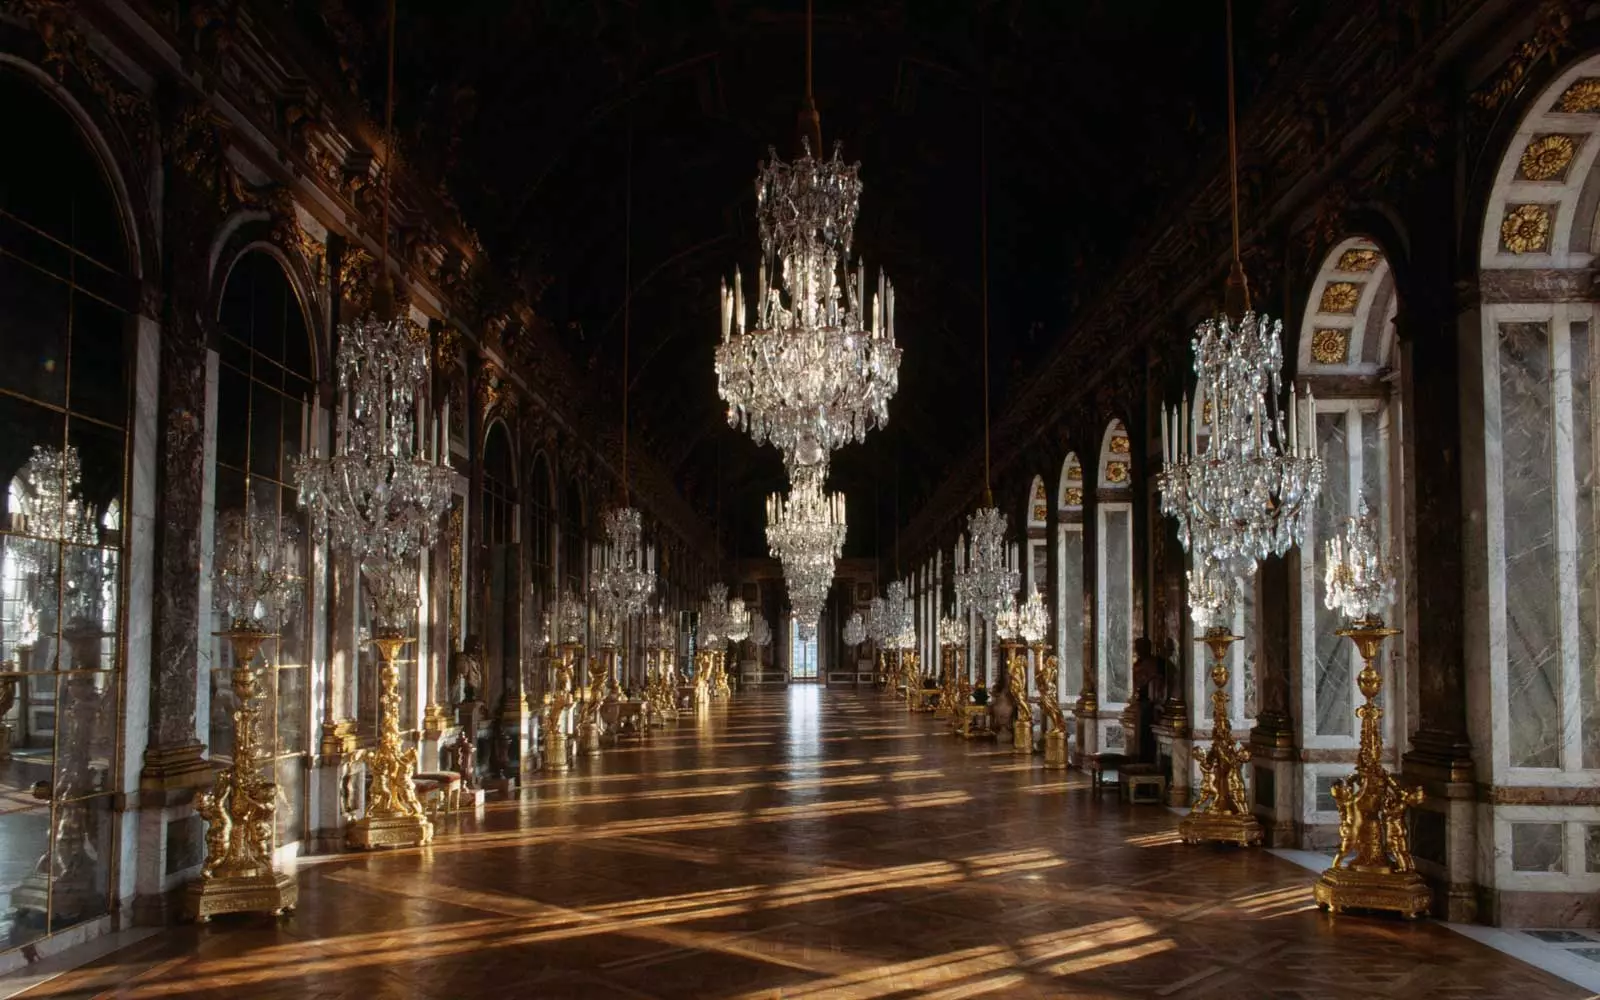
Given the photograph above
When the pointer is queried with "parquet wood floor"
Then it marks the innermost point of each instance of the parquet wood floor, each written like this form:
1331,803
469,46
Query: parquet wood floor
809,844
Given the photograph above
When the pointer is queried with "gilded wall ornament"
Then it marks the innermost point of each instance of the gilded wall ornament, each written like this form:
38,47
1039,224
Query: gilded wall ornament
356,277
1547,158
1526,229
1074,496
1340,297
1330,346
453,532
1359,260
1119,445
1041,512
1039,495
1116,473
1582,98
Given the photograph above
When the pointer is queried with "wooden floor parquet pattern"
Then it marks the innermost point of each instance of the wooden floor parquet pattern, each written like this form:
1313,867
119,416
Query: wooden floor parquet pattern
808,844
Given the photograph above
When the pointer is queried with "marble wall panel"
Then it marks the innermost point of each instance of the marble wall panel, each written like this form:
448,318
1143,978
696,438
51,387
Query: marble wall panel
1528,521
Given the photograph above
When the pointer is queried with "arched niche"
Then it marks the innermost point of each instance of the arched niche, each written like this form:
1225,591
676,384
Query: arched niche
1069,576
1115,628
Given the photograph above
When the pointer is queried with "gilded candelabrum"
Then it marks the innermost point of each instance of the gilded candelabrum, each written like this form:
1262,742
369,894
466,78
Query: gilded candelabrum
1222,812
1374,869
947,683
1047,669
659,691
960,722
395,817
910,677
721,688
556,703
1016,661
238,875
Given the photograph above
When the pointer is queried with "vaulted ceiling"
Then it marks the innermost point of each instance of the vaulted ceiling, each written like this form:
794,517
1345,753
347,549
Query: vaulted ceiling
535,114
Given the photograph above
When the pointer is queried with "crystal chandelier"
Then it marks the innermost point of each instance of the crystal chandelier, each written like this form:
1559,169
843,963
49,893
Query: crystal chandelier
817,364
900,622
737,627
1359,582
986,571
855,630
626,578
714,615
50,506
377,496
254,571
760,631
805,532
1244,486
878,620
564,624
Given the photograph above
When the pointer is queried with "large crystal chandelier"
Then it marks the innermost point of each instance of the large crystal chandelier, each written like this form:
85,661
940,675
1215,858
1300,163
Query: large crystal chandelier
816,365
626,576
377,496
738,625
855,630
953,630
987,571
805,532
900,625
878,620
625,579
714,616
1243,486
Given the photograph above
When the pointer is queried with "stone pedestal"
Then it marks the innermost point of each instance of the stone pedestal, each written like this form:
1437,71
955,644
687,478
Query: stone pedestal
1055,750
589,738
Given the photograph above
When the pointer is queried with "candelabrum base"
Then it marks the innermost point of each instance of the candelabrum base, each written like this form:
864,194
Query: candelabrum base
589,739
1227,828
268,892
1022,737
375,832
1340,890
555,752
1055,750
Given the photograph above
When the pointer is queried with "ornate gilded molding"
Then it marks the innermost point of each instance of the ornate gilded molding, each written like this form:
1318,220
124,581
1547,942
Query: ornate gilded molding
1526,229
1330,346
1549,39
56,24
1340,297
1359,260
1581,98
1547,158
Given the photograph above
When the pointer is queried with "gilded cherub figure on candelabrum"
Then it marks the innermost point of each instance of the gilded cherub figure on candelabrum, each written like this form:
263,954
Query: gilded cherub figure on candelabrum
589,708
958,719
1017,687
556,703
1047,672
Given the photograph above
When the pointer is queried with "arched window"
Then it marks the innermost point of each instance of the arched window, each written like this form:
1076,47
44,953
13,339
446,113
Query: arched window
66,364
1533,617
1346,352
1069,585
264,375
1114,626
